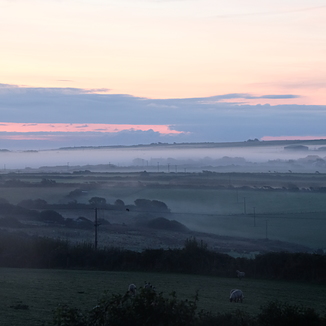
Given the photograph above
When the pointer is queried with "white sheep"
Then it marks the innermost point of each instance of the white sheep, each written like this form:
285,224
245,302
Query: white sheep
132,289
240,274
236,295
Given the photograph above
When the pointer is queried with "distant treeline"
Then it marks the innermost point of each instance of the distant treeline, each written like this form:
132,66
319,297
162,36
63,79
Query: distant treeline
22,251
212,183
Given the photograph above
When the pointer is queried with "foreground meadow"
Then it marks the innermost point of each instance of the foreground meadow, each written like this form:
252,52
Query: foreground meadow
28,296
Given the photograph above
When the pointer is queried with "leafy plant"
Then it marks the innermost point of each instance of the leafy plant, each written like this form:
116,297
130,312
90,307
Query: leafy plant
146,308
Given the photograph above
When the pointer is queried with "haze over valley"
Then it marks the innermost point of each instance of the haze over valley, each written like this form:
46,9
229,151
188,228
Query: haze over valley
250,156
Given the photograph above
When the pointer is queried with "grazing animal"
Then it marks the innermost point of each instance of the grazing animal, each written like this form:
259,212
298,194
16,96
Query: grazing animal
236,295
240,274
132,289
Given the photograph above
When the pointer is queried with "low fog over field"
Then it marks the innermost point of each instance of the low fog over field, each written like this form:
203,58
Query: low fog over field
252,155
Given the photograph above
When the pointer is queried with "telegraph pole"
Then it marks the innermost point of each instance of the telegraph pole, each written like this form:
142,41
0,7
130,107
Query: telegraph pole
96,226
254,216
244,206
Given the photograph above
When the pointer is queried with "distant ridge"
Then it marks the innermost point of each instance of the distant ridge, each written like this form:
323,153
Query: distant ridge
247,143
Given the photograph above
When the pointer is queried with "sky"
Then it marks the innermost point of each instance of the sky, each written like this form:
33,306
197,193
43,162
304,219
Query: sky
126,72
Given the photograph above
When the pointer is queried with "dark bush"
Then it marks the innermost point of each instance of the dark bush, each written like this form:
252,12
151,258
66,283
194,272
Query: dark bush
75,193
278,313
97,201
47,182
51,216
151,205
162,223
147,308
84,223
119,203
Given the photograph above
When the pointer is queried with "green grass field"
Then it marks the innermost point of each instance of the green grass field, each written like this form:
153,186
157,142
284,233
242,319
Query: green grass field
43,290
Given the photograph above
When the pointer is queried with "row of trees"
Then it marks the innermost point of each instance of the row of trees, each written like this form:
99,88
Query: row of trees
18,250
99,202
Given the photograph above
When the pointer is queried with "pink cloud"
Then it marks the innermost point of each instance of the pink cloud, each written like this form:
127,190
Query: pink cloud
92,127
26,137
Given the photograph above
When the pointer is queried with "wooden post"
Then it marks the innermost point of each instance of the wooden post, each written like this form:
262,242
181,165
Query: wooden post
95,225
244,206
254,216
266,228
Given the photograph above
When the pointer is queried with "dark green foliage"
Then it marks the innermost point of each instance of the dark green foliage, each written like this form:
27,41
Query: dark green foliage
119,203
162,223
47,182
151,205
67,316
83,223
291,266
237,318
147,308
19,250
75,193
97,201
191,244
278,313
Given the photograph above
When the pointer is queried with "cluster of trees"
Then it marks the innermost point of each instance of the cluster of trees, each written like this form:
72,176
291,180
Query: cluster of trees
145,205
40,210
19,250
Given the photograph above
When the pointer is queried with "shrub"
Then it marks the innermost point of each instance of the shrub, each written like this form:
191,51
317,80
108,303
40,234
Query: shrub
162,223
147,308
277,313
51,216
64,315
97,201
119,203
151,205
